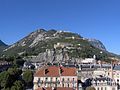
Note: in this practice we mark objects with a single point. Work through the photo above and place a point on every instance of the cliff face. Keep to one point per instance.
(97, 44)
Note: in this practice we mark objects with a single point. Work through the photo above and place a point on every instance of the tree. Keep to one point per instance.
(14, 72)
(18, 85)
(28, 78)
(11, 80)
(90, 88)
(19, 61)
(5, 79)
(13, 88)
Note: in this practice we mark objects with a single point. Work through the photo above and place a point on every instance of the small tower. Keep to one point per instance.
(94, 57)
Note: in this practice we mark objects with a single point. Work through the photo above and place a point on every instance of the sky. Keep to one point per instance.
(99, 19)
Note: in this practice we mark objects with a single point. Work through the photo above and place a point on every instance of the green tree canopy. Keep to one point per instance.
(5, 79)
(28, 78)
(18, 85)
(90, 88)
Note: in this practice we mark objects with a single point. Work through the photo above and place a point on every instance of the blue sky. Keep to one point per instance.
(99, 19)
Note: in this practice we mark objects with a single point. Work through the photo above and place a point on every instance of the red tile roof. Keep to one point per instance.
(51, 71)
(55, 71)
(40, 72)
(68, 71)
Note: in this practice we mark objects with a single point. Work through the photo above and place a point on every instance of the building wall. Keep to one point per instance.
(105, 87)
(68, 81)
(99, 72)
(46, 82)
(65, 81)
(116, 76)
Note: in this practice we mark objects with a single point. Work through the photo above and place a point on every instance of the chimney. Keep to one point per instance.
(60, 70)
(46, 71)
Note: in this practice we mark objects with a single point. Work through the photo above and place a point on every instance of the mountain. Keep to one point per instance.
(2, 46)
(57, 45)
(97, 44)
(2, 43)
(39, 41)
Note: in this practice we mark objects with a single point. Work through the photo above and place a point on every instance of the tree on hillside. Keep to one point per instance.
(28, 78)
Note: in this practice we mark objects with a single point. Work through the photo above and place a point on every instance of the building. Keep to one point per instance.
(86, 71)
(55, 77)
(68, 77)
(116, 75)
(104, 83)
(88, 61)
(59, 88)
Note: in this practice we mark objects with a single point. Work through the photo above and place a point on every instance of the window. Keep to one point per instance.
(101, 88)
(117, 80)
(56, 79)
(113, 88)
(46, 79)
(51, 79)
(73, 79)
(98, 88)
(68, 79)
(68, 85)
(38, 82)
(105, 88)
(63, 80)
(63, 85)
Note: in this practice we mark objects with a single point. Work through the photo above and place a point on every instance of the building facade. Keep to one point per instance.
(55, 77)
(104, 83)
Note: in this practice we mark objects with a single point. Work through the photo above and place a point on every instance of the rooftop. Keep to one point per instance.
(51, 71)
(117, 67)
(67, 71)
(55, 71)
(58, 88)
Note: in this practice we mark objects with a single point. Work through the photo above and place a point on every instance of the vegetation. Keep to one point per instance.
(28, 78)
(90, 88)
(12, 79)
(82, 47)
(18, 85)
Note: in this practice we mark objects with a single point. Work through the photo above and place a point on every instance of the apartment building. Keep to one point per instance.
(104, 83)
(55, 77)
